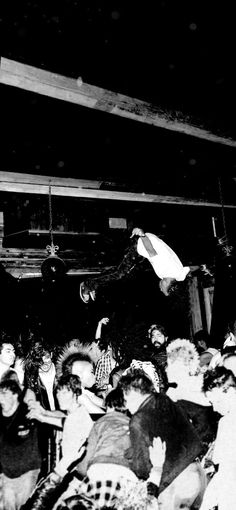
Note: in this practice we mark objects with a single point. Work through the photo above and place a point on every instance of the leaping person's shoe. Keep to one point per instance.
(93, 295)
(84, 293)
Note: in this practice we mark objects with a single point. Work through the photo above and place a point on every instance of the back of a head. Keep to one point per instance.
(183, 351)
(115, 399)
(138, 381)
(71, 382)
(201, 334)
(11, 385)
(219, 377)
(10, 375)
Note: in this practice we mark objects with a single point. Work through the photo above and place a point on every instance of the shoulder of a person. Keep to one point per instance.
(81, 410)
(7, 374)
(147, 406)
(153, 237)
(87, 392)
(116, 416)
(157, 400)
(84, 414)
(20, 413)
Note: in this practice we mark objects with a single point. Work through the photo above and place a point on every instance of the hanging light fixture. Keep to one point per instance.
(53, 267)
(223, 241)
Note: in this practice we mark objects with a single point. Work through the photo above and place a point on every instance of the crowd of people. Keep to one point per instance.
(87, 426)
(84, 429)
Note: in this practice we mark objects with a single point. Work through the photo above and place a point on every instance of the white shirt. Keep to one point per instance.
(76, 430)
(225, 455)
(165, 263)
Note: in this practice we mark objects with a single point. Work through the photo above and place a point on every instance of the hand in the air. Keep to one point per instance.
(157, 452)
(137, 232)
(104, 321)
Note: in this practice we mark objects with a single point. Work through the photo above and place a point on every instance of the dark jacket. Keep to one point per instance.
(42, 396)
(19, 450)
(159, 416)
(159, 360)
(203, 419)
(108, 441)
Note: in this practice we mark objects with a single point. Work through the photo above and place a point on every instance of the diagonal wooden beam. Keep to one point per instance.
(75, 91)
(38, 184)
(45, 180)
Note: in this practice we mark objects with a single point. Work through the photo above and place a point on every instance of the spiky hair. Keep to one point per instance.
(72, 351)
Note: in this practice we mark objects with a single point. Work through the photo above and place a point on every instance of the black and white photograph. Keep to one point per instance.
(117, 255)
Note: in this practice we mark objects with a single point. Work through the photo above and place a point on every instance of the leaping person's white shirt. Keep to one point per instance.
(165, 263)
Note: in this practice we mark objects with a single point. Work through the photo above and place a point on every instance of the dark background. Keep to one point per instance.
(176, 55)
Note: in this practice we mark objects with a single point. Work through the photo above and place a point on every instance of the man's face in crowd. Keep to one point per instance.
(8, 401)
(46, 361)
(7, 355)
(85, 371)
(157, 338)
(165, 286)
(201, 345)
(66, 398)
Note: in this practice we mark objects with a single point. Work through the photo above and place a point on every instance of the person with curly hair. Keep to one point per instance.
(183, 369)
(40, 385)
(158, 338)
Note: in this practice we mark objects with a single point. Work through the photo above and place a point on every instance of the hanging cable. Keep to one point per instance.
(50, 213)
(53, 266)
(224, 241)
(52, 249)
(225, 237)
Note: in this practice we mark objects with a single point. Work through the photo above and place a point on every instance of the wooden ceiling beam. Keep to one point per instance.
(45, 180)
(34, 184)
(75, 91)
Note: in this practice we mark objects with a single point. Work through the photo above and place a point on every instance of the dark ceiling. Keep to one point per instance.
(176, 55)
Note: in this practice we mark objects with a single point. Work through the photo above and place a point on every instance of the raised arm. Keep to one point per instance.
(98, 333)
(145, 240)
(148, 245)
